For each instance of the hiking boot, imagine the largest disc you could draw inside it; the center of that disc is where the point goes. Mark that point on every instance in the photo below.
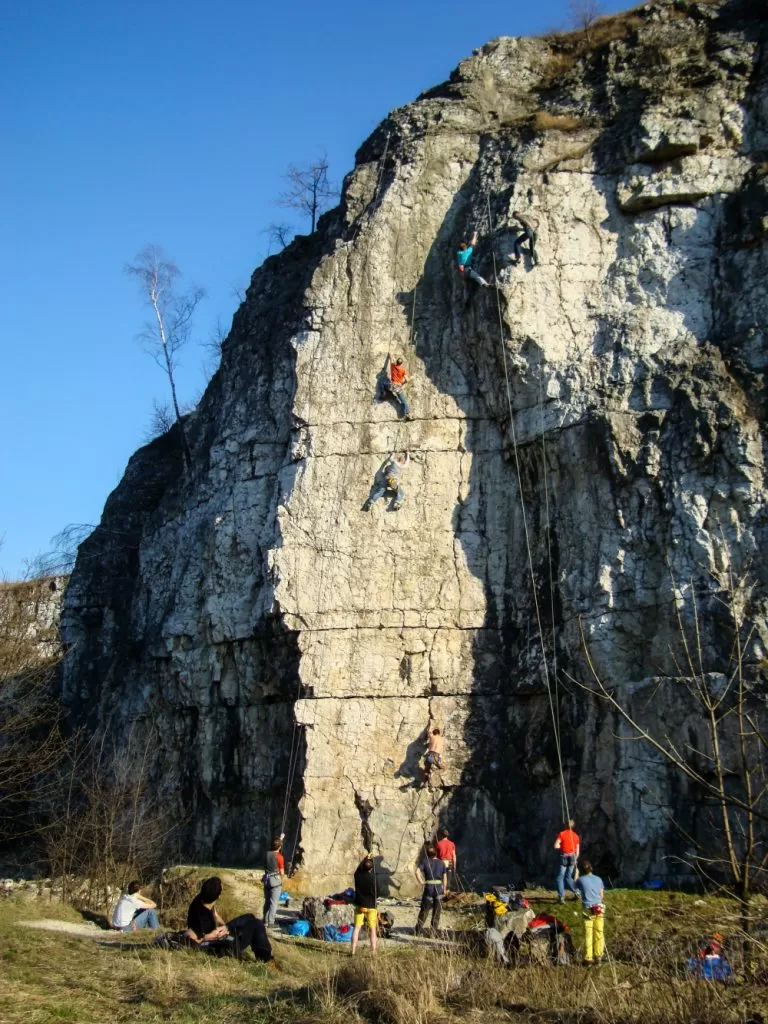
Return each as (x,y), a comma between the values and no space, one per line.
(274,966)
(588,963)
(366,507)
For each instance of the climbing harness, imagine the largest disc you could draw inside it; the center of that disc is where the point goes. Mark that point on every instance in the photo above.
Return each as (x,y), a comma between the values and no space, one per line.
(564,794)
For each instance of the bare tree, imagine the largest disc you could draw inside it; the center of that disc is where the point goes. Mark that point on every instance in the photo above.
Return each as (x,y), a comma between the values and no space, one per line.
(309,189)
(60,560)
(728,763)
(583,14)
(279,234)
(31,743)
(168,330)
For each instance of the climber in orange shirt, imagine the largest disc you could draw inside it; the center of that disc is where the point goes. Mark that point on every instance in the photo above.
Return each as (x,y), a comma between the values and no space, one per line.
(395,386)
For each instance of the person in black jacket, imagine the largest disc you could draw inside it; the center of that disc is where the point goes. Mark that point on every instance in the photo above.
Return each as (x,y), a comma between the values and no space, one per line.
(365,902)
(207,931)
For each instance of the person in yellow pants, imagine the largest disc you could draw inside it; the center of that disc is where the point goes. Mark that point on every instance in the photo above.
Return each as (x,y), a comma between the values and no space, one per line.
(590,888)
(365,902)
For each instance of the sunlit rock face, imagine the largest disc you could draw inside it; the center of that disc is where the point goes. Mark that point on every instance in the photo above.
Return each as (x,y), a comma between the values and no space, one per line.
(587,455)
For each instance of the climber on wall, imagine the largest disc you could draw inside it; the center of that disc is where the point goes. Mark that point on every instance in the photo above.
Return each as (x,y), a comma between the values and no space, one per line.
(464,262)
(387,482)
(395,386)
(435,743)
(528,234)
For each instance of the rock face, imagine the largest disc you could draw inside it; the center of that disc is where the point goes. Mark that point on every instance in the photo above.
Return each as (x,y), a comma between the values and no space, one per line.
(587,454)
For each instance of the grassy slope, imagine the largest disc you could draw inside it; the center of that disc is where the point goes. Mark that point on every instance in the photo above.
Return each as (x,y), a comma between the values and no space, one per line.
(47,977)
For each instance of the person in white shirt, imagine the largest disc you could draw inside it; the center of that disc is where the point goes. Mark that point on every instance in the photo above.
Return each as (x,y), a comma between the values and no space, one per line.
(134,910)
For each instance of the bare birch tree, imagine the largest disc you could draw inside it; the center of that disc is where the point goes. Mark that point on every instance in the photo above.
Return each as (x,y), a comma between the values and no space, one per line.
(168,329)
(309,191)
(728,765)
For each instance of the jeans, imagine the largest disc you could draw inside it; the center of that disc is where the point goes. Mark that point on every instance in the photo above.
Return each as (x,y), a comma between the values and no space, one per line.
(594,934)
(430,899)
(469,272)
(143,919)
(398,393)
(565,874)
(382,490)
(271,902)
(526,236)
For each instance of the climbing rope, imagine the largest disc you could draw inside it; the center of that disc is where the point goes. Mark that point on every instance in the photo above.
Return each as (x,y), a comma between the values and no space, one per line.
(563,801)
(518,470)
(331,550)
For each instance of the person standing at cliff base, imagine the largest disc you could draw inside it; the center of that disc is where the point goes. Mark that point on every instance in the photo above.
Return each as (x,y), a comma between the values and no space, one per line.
(529,225)
(431,874)
(398,378)
(592,892)
(464,262)
(446,851)
(365,902)
(273,881)
(568,844)
(134,910)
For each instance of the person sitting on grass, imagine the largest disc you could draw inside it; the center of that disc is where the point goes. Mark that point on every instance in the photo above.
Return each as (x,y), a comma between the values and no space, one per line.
(134,910)
(206,929)
(365,902)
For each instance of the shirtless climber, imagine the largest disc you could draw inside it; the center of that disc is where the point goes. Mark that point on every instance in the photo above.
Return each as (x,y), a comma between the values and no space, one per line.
(387,482)
(528,234)
(464,262)
(395,386)
(435,743)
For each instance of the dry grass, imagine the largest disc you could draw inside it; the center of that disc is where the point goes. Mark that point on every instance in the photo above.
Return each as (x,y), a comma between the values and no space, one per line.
(51,977)
(544,121)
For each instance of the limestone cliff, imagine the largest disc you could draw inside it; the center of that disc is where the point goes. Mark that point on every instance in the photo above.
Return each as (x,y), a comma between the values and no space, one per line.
(586,434)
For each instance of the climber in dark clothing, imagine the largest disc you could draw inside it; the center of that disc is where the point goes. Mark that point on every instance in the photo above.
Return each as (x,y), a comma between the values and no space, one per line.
(464,261)
(365,902)
(431,873)
(529,225)
(388,482)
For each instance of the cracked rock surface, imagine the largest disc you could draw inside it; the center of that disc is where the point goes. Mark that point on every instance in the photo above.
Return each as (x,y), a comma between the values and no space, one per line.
(587,447)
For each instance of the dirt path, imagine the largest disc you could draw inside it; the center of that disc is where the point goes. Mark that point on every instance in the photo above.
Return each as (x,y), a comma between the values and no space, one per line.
(86,930)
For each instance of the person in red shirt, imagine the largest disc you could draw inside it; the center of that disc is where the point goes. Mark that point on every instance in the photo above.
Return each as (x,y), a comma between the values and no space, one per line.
(395,386)
(446,851)
(569,844)
(273,881)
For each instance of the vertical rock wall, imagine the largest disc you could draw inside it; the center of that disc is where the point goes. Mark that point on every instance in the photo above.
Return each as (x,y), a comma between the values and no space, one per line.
(587,445)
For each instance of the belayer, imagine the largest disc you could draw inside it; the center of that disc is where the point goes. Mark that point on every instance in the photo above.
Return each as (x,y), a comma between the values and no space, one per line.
(464,262)
(387,482)
(528,234)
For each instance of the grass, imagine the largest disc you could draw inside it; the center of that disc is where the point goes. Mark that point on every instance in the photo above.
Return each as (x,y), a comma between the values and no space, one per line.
(49,977)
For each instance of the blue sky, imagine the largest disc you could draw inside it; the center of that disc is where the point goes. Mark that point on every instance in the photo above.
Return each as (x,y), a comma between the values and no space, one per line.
(126,122)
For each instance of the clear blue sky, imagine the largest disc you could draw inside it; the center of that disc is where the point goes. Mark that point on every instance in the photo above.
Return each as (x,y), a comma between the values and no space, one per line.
(124,122)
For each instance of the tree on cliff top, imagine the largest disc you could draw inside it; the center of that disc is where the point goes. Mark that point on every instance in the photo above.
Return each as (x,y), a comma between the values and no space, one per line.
(309,189)
(168,329)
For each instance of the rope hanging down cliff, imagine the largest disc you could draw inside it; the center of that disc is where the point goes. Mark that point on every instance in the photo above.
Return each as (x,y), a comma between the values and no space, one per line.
(331,548)
(513,432)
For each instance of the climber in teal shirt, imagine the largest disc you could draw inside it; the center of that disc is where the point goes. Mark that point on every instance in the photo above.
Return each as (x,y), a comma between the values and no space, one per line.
(464,262)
